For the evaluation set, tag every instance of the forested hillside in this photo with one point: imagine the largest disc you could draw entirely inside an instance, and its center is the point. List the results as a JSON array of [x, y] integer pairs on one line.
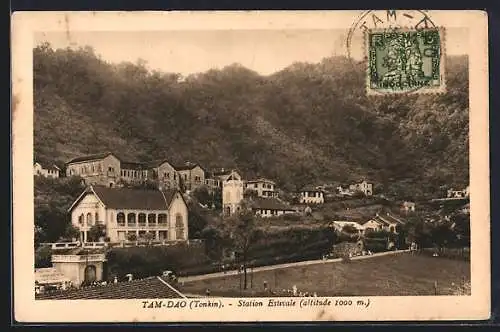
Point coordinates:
[[308, 123]]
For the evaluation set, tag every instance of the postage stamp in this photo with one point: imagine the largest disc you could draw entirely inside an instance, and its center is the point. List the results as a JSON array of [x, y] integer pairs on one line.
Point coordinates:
[[402, 61], [233, 166]]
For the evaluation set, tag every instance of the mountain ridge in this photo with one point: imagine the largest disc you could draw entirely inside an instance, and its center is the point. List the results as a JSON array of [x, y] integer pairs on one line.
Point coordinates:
[[307, 123]]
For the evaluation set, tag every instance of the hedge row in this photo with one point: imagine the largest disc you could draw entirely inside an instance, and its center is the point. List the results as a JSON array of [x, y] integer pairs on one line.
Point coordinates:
[[272, 248], [148, 261]]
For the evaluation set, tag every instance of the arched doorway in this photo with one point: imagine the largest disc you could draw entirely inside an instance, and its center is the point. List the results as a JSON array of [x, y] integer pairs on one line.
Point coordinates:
[[90, 274]]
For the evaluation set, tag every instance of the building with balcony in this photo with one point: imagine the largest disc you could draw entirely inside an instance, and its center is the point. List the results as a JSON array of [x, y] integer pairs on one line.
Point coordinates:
[[311, 195], [264, 187], [107, 169], [363, 186], [133, 172], [131, 213]]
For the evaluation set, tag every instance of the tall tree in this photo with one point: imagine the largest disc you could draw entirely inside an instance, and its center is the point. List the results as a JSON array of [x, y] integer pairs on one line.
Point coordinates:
[[242, 231]]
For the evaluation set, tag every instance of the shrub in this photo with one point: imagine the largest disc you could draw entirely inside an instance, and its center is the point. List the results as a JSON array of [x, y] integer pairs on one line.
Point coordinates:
[[292, 217], [43, 257], [150, 261], [375, 245]]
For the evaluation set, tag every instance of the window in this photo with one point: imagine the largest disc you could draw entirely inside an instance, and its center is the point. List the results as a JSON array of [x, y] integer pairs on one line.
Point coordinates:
[[110, 169], [185, 176], [175, 176], [163, 235], [89, 219], [179, 227], [80, 219], [97, 217], [120, 219], [151, 219], [162, 218], [131, 219], [142, 219]]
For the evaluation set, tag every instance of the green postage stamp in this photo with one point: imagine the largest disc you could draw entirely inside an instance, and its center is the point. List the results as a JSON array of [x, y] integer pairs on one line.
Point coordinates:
[[405, 61]]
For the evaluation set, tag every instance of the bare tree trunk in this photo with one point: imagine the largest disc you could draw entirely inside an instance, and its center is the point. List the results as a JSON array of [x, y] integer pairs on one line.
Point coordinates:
[[244, 270], [245, 275]]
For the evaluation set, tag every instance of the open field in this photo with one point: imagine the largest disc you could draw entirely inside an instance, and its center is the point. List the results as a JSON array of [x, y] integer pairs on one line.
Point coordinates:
[[391, 275]]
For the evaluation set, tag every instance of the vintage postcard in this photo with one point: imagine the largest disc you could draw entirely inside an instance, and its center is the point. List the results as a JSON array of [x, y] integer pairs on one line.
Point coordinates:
[[250, 166]]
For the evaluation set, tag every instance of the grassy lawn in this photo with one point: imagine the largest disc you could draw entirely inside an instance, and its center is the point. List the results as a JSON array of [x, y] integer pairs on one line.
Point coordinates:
[[392, 275]]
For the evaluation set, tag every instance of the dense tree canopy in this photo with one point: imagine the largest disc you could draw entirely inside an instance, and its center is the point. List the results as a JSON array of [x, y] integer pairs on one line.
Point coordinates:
[[306, 123]]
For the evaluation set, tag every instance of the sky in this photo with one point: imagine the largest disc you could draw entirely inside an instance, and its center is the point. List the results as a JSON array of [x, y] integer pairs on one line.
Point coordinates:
[[187, 52]]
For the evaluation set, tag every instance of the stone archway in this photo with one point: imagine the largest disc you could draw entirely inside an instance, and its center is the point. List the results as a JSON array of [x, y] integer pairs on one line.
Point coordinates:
[[90, 274]]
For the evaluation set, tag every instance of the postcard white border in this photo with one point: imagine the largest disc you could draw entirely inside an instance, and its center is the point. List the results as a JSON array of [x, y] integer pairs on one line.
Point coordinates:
[[26, 309]]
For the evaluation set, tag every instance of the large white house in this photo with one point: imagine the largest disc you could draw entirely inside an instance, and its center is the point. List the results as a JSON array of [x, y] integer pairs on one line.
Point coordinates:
[[310, 195], [264, 187], [123, 211], [363, 186]]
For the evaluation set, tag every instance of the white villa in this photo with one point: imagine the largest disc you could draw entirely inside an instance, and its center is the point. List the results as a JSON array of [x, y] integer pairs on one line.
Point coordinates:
[[123, 211], [264, 187], [310, 195], [363, 186], [458, 193]]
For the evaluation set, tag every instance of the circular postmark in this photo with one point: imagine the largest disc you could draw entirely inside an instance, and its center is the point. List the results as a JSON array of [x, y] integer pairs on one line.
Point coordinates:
[[401, 50]]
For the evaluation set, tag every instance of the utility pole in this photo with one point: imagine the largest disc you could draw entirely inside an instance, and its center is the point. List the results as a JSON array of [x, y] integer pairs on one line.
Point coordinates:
[[251, 277]]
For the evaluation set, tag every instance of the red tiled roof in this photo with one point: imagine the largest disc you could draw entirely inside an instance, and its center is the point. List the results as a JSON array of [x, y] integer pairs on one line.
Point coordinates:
[[149, 288]]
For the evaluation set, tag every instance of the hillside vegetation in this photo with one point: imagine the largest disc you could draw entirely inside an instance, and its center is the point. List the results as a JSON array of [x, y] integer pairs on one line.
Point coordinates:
[[308, 123]]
